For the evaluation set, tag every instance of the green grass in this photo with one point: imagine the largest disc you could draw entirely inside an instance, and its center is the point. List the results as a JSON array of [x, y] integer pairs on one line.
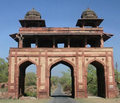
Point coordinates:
[[86, 100], [98, 100], [24, 101]]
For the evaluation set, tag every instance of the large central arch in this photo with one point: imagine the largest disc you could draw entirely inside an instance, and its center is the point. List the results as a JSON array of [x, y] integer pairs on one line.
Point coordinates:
[[67, 63]]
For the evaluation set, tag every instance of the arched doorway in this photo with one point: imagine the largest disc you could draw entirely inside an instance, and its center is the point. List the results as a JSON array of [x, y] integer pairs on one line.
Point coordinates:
[[72, 76], [22, 74], [100, 73]]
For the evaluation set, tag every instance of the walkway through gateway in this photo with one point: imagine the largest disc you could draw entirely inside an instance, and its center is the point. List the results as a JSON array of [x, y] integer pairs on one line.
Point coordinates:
[[72, 76]]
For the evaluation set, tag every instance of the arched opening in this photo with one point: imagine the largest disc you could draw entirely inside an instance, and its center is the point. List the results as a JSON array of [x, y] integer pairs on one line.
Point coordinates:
[[88, 45], [96, 79], [70, 70], [27, 79]]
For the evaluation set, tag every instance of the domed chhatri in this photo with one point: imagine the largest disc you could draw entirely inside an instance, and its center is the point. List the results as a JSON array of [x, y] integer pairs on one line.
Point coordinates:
[[32, 19], [33, 14], [89, 18], [88, 13]]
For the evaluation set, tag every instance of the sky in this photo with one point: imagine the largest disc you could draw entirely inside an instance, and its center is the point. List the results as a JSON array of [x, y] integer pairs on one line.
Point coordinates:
[[59, 13]]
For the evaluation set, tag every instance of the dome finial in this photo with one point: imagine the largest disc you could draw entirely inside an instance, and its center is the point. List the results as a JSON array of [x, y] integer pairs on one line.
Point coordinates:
[[33, 8]]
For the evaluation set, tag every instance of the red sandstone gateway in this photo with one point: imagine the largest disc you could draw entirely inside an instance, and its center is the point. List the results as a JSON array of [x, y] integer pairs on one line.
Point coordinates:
[[75, 54]]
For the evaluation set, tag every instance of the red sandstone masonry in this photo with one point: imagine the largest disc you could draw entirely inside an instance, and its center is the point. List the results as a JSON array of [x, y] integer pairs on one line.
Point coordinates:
[[77, 56], [59, 30]]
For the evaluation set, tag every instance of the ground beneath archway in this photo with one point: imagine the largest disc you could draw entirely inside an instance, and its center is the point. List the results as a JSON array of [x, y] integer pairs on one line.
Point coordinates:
[[60, 97]]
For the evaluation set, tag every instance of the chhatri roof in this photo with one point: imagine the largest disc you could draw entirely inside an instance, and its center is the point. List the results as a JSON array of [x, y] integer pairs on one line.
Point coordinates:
[[89, 18], [32, 19], [33, 14], [88, 13]]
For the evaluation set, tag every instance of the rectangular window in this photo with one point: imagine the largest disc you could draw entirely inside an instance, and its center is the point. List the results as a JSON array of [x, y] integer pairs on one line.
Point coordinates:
[[60, 45], [33, 45]]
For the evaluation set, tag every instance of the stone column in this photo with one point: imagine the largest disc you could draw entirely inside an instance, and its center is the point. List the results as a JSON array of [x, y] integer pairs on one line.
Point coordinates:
[[85, 41], [53, 41], [20, 38], [68, 41], [36, 44], [101, 42], [20, 43]]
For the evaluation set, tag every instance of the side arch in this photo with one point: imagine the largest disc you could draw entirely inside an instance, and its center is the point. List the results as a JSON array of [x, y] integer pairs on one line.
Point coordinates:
[[21, 75], [97, 60], [27, 60], [101, 78]]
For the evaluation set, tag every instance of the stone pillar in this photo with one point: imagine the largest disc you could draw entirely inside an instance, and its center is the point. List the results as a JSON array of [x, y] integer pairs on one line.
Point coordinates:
[[11, 79], [42, 80], [36, 44], [68, 41], [101, 42], [85, 41], [20, 42], [53, 41]]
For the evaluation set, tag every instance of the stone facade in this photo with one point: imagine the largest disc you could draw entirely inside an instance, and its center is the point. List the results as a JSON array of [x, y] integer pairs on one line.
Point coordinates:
[[76, 55], [45, 58]]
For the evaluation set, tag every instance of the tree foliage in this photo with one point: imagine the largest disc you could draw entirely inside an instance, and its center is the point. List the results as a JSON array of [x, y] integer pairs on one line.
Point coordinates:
[[30, 79], [3, 70], [54, 80], [91, 80], [117, 78], [65, 80]]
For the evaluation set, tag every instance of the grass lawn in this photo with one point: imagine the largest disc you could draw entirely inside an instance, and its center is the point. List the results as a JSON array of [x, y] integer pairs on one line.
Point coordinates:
[[24, 101], [86, 100], [98, 100]]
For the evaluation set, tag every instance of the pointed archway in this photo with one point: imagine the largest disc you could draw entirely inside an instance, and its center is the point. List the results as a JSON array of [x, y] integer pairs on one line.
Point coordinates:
[[100, 73], [22, 74], [72, 75]]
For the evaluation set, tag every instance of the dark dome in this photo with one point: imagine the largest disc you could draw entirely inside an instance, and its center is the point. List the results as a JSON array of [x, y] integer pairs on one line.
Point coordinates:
[[89, 14], [33, 14]]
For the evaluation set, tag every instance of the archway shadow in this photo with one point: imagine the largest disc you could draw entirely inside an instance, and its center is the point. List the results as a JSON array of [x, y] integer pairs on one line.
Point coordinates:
[[61, 96], [100, 82], [22, 74]]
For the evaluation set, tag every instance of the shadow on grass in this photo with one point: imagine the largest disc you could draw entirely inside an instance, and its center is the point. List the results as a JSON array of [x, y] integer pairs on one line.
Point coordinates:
[[64, 96]]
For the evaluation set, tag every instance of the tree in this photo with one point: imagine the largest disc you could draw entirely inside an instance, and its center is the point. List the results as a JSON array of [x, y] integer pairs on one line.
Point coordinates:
[[117, 78], [91, 80], [3, 70], [65, 80], [30, 79], [54, 80]]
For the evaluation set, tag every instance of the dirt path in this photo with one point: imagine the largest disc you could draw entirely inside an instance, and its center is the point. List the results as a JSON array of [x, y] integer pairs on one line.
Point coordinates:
[[59, 97]]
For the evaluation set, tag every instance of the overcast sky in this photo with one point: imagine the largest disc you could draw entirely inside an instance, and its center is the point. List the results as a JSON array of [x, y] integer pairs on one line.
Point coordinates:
[[59, 13]]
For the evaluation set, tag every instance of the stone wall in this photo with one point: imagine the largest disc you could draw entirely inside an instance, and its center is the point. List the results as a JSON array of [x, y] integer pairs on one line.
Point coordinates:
[[45, 58]]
